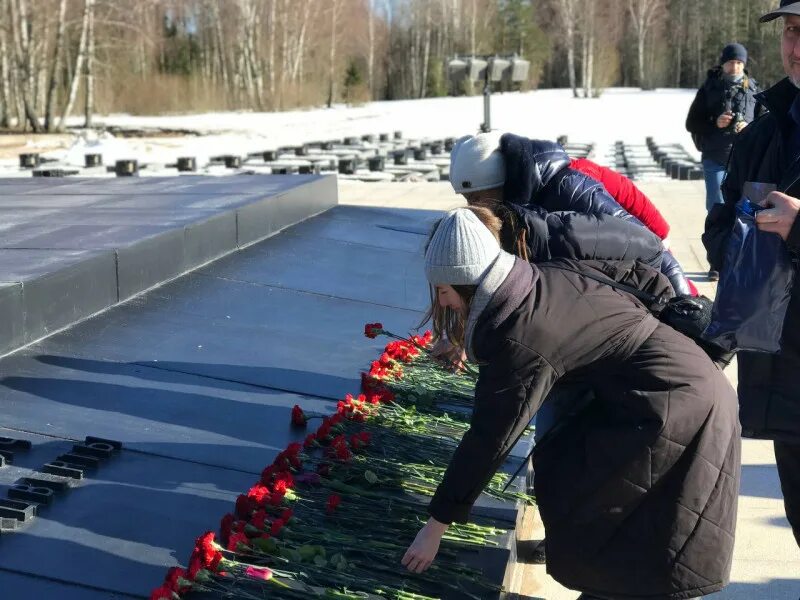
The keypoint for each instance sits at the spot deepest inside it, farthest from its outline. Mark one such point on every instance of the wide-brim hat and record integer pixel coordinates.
(787, 8)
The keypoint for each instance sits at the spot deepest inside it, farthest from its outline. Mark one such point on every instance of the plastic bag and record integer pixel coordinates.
(754, 288)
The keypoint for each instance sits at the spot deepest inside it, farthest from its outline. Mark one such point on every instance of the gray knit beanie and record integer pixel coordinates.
(476, 163)
(461, 250)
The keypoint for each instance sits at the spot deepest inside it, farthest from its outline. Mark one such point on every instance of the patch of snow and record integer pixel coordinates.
(624, 114)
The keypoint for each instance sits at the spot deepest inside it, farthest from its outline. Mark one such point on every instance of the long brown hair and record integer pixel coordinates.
(446, 321)
(504, 225)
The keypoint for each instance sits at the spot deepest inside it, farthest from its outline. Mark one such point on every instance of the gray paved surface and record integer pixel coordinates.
(197, 379)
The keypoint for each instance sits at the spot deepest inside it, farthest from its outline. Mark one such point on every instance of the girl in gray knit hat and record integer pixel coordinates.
(638, 491)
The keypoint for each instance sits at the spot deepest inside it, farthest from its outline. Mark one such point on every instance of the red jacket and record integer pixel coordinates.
(627, 195)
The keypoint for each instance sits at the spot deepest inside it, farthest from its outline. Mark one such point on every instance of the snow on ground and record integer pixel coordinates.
(625, 114)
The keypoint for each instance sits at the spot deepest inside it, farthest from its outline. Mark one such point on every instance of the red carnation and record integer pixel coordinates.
(195, 566)
(236, 539)
(173, 575)
(259, 519)
(162, 593)
(276, 499)
(277, 525)
(299, 418)
(287, 515)
(334, 500)
(225, 527)
(324, 430)
(373, 330)
(281, 463)
(387, 395)
(288, 479)
(342, 453)
(259, 494)
(267, 475)
(205, 547)
(245, 506)
(310, 440)
(367, 382)
(215, 562)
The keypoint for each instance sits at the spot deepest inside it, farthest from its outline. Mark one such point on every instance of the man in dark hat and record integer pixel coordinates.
(722, 108)
(768, 151)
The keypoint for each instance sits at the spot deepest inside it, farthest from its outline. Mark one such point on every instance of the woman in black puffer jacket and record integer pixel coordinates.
(515, 170)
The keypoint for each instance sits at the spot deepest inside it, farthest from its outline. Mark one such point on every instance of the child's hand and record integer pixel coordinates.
(423, 550)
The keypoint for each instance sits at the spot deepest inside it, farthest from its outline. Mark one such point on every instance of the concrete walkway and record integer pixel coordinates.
(766, 559)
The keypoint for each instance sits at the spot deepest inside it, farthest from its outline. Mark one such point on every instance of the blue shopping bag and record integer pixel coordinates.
(754, 288)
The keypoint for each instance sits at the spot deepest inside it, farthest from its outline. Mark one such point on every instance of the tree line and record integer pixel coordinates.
(73, 57)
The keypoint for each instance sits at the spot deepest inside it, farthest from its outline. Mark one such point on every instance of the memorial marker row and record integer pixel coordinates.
(29, 493)
(370, 157)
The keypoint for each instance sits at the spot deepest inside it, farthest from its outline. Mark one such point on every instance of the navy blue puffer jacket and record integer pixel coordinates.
(581, 236)
(538, 174)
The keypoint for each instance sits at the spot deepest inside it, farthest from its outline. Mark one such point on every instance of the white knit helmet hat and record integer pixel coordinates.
(461, 250)
(476, 163)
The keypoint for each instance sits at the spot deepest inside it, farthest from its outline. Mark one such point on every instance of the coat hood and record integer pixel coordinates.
(530, 165)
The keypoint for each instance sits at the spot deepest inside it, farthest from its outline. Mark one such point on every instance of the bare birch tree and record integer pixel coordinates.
(55, 66)
(21, 32)
(5, 72)
(90, 46)
(426, 49)
(644, 15)
(79, 61)
(371, 51)
(335, 7)
(588, 43)
(567, 13)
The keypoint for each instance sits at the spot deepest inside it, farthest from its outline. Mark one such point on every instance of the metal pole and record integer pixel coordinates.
(487, 97)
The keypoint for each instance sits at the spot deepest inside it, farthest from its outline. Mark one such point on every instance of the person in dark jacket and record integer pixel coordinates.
(722, 108)
(513, 169)
(768, 151)
(639, 492)
(536, 235)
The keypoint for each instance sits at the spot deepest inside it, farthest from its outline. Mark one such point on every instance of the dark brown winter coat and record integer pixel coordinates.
(639, 492)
